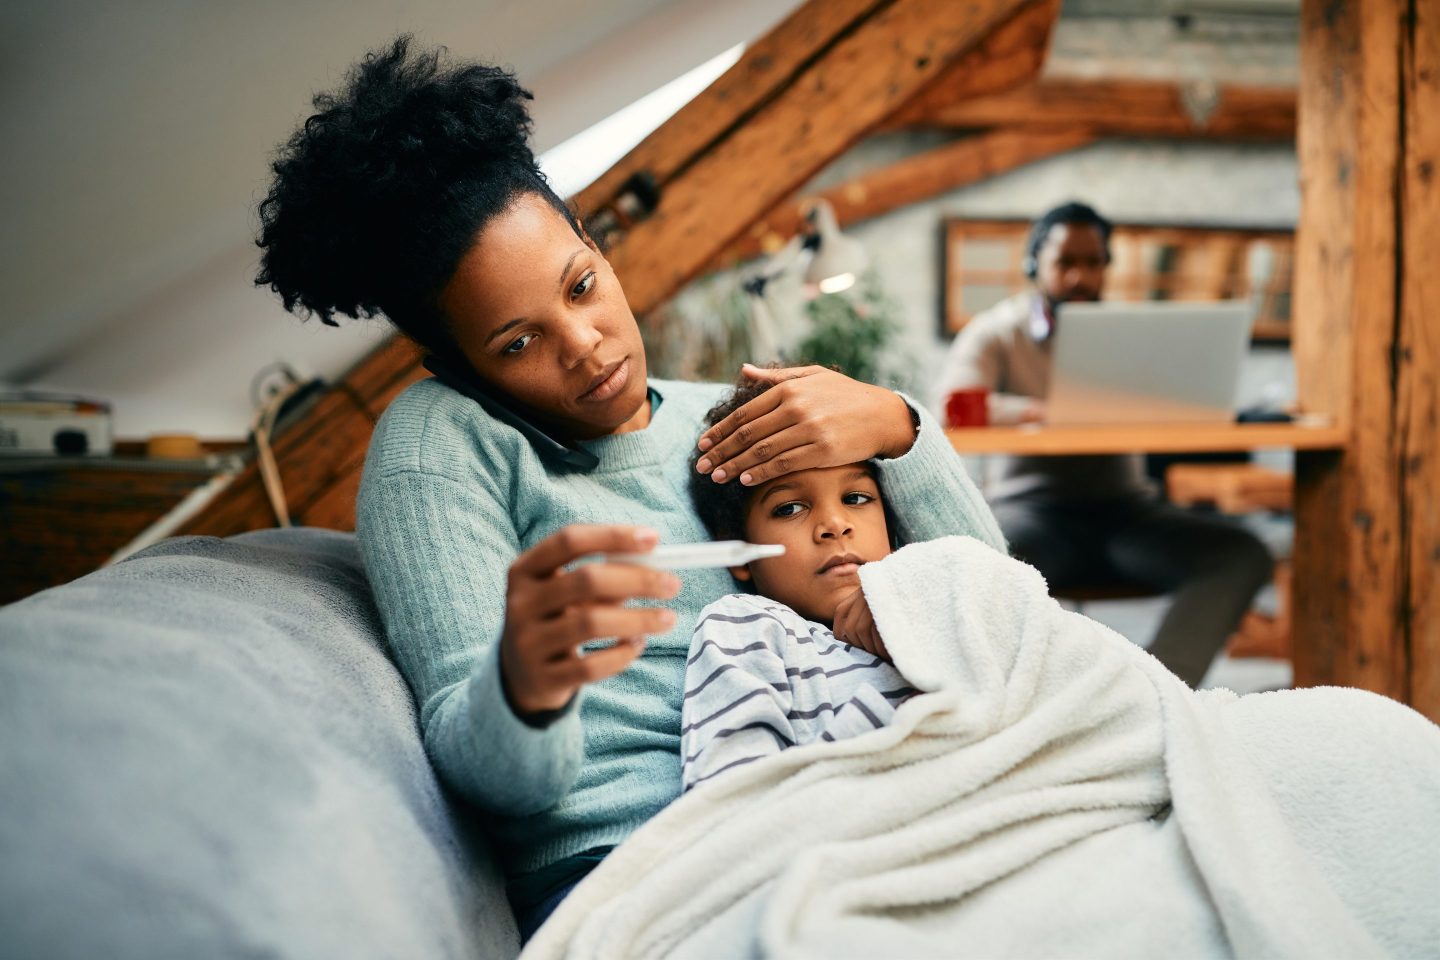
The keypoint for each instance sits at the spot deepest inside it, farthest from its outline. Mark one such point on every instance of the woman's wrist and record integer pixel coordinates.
(902, 424)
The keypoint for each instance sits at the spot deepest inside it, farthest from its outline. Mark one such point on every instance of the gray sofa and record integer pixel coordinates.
(206, 752)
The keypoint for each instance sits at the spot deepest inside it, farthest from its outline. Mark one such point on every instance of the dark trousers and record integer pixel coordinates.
(1212, 565)
(529, 919)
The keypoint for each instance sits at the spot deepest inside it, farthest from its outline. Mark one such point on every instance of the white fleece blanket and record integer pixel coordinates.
(1055, 792)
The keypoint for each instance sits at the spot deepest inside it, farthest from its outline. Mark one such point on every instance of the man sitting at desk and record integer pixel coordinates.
(1095, 520)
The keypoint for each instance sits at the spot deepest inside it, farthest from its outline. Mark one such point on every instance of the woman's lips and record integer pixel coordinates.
(611, 385)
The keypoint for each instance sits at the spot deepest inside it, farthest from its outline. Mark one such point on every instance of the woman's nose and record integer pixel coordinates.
(578, 342)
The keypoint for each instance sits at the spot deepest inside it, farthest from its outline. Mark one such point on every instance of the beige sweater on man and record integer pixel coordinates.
(1007, 350)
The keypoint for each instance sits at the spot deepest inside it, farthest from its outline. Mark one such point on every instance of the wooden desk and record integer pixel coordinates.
(1038, 440)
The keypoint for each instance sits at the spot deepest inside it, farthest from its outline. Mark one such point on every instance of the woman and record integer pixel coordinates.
(413, 193)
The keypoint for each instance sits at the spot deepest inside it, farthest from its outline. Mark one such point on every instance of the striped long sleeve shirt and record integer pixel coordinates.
(761, 678)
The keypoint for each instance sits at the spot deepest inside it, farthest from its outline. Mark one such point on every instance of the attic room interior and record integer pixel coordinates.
(993, 441)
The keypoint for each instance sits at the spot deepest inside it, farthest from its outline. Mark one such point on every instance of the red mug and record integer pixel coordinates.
(968, 408)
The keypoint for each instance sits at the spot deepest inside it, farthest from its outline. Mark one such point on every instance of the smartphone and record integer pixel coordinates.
(556, 452)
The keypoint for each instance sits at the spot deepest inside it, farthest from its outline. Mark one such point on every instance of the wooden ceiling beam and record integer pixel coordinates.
(1010, 57)
(1019, 126)
(845, 90)
(766, 68)
(1118, 108)
(907, 181)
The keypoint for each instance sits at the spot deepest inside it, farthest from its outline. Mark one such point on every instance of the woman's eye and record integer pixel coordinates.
(788, 509)
(586, 284)
(856, 498)
(518, 344)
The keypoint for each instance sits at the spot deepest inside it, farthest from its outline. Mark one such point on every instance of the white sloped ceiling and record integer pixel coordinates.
(135, 143)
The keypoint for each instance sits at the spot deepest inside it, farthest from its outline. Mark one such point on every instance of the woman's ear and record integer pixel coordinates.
(740, 573)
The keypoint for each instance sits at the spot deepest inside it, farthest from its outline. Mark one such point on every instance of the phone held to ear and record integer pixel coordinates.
(556, 452)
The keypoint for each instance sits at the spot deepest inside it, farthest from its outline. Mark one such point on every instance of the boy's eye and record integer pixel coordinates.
(855, 498)
(518, 344)
(788, 509)
(584, 286)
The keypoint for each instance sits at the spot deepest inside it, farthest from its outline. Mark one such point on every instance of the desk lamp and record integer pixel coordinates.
(834, 262)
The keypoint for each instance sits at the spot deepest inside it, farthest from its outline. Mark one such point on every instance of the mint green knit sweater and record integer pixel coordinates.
(451, 496)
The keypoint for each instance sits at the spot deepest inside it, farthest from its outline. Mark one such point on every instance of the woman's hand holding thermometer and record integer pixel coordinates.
(552, 609)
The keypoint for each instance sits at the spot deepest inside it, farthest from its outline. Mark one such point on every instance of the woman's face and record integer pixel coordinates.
(541, 317)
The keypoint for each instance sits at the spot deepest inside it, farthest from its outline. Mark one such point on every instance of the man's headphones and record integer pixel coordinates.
(1077, 213)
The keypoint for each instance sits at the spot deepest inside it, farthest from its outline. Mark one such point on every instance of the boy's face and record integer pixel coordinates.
(830, 520)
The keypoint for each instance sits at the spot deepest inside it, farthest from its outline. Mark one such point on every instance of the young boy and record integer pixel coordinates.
(766, 670)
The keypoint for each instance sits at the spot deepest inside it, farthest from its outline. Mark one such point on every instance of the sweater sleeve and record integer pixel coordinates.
(976, 359)
(737, 696)
(438, 553)
(931, 494)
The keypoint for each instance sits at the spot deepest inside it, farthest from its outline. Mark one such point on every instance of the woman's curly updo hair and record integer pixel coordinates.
(379, 194)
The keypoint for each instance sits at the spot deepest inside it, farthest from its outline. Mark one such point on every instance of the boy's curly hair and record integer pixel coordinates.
(382, 190)
(721, 506)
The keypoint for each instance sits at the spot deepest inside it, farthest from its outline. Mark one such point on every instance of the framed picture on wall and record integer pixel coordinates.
(982, 266)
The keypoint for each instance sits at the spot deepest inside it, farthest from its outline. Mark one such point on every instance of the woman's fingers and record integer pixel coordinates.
(599, 664)
(777, 451)
(559, 637)
(778, 374)
(602, 583)
(802, 457)
(577, 540)
(740, 420)
(762, 434)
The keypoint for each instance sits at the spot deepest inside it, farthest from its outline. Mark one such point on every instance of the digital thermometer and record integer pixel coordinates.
(694, 556)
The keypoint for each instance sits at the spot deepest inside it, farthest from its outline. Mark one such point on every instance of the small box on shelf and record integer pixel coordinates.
(36, 424)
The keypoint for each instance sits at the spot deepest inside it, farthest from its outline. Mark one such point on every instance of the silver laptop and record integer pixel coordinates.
(1151, 362)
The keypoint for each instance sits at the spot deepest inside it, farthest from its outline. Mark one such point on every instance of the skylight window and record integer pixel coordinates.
(573, 165)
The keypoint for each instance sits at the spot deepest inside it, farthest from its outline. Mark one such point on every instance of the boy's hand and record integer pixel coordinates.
(550, 612)
(812, 417)
(855, 625)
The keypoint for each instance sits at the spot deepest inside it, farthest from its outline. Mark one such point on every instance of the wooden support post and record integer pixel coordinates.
(907, 181)
(1418, 358)
(849, 87)
(1367, 309)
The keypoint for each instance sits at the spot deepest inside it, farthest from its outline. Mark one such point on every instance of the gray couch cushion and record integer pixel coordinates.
(204, 752)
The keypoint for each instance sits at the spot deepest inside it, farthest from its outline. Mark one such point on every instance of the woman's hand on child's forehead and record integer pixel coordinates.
(811, 418)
